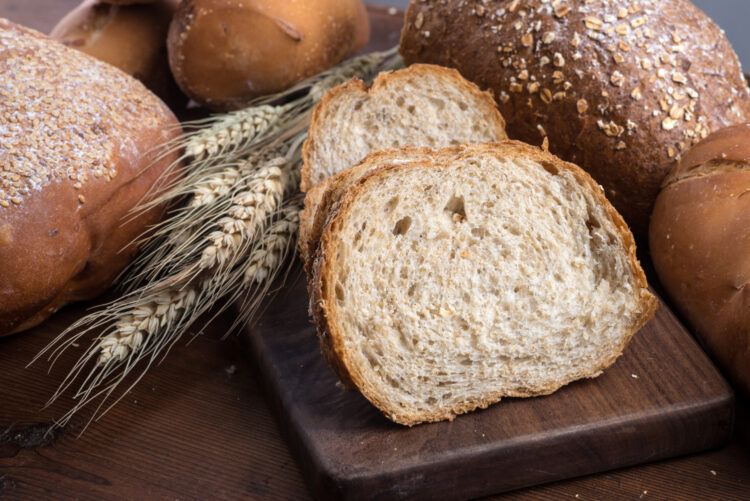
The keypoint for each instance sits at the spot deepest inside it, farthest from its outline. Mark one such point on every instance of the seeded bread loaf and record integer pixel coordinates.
(621, 88)
(132, 38)
(700, 246)
(425, 105)
(484, 272)
(224, 53)
(78, 139)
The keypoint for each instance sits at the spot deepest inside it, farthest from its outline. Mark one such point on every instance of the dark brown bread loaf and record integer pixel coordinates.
(78, 139)
(621, 88)
(132, 38)
(700, 245)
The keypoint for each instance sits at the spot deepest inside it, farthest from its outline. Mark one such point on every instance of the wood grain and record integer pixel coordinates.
(196, 429)
(662, 398)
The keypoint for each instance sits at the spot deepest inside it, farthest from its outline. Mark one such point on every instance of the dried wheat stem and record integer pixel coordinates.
(145, 319)
(255, 122)
(220, 184)
(248, 213)
(237, 127)
(273, 246)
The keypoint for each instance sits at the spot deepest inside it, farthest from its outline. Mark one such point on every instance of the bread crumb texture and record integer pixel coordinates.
(422, 105)
(64, 116)
(499, 271)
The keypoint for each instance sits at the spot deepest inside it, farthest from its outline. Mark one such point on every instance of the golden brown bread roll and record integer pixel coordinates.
(621, 88)
(78, 139)
(700, 245)
(132, 37)
(223, 53)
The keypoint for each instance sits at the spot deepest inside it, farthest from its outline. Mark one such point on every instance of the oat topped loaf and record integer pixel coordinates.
(620, 87)
(76, 153)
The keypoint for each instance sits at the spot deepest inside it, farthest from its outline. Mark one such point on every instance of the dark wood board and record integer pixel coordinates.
(199, 427)
(662, 398)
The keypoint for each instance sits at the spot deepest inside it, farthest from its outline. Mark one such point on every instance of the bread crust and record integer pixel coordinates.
(65, 236)
(700, 245)
(382, 81)
(324, 301)
(132, 37)
(620, 88)
(225, 53)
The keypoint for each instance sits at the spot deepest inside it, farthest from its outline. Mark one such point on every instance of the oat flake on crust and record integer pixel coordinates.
(63, 115)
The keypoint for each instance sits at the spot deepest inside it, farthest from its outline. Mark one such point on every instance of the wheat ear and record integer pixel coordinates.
(249, 211)
(138, 327)
(231, 134)
(214, 234)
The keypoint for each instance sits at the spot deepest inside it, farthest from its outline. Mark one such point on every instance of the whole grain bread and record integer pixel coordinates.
(423, 105)
(622, 88)
(486, 271)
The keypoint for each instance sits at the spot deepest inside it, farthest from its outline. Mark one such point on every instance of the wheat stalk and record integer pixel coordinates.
(214, 234)
(145, 320)
(231, 229)
(234, 128)
(249, 210)
(273, 247)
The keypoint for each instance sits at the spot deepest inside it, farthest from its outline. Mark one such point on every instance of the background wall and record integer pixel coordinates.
(732, 15)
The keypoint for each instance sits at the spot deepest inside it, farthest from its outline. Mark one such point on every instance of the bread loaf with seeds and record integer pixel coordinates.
(476, 273)
(620, 87)
(79, 141)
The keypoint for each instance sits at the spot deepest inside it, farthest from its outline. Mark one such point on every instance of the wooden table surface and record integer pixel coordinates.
(197, 426)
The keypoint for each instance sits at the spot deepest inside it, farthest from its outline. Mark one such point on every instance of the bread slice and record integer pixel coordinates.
(320, 200)
(487, 271)
(422, 105)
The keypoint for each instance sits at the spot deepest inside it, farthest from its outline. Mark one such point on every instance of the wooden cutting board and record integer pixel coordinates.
(662, 398)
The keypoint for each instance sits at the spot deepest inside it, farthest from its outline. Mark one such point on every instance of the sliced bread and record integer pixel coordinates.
(487, 271)
(322, 198)
(422, 105)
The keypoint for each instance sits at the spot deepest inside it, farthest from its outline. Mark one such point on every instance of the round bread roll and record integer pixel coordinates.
(133, 38)
(622, 88)
(224, 53)
(700, 245)
(79, 141)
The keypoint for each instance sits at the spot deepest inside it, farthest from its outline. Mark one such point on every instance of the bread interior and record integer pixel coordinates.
(414, 108)
(485, 277)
